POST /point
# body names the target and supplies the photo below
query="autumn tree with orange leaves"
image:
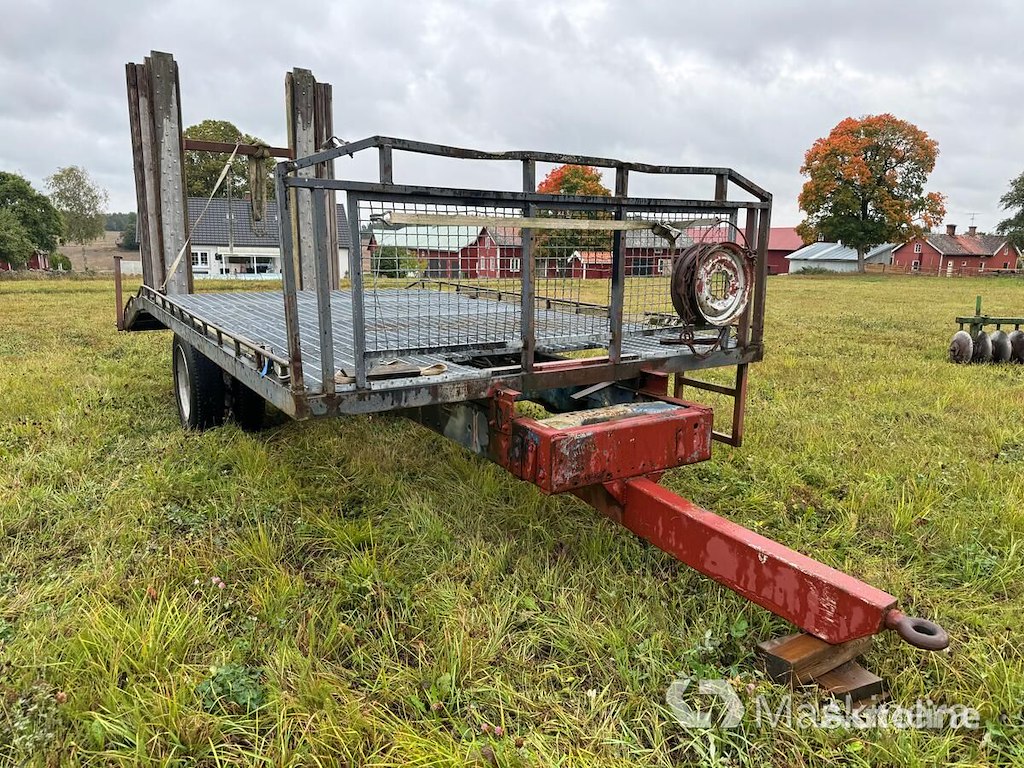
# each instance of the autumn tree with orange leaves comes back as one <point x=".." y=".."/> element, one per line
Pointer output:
<point x="866" y="183"/>
<point x="556" y="246"/>
<point x="574" y="180"/>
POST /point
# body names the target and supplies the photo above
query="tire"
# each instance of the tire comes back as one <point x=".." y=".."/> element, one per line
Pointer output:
<point x="247" y="408"/>
<point x="198" y="387"/>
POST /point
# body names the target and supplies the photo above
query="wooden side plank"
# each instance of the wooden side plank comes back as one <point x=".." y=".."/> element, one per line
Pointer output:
<point x="151" y="179"/>
<point x="302" y="141"/>
<point x="167" y="133"/>
<point x="323" y="130"/>
<point x="138" y="166"/>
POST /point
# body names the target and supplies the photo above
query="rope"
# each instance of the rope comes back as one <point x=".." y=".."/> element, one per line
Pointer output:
<point x="188" y="239"/>
<point x="258" y="189"/>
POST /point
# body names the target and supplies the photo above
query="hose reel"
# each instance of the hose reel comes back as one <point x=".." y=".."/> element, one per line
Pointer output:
<point x="711" y="283"/>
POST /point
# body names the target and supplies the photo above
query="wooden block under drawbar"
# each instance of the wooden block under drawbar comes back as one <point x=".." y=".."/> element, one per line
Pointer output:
<point x="853" y="681"/>
<point x="800" y="658"/>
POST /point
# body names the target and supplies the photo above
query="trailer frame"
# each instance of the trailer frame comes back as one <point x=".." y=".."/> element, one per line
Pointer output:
<point x="610" y="375"/>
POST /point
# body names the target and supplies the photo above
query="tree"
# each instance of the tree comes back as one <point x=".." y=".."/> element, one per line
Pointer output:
<point x="202" y="169"/>
<point x="15" y="245"/>
<point x="866" y="183"/>
<point x="34" y="211"/>
<point x="59" y="261"/>
<point x="392" y="261"/>
<point x="119" y="222"/>
<point x="80" y="202"/>
<point x="1013" y="201"/>
<point x="129" y="240"/>
<point x="574" y="180"/>
<point x="556" y="246"/>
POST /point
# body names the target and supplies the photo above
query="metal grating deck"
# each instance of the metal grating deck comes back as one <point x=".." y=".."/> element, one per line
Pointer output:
<point x="419" y="327"/>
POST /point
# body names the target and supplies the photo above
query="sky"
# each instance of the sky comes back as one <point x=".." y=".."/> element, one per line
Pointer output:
<point x="748" y="85"/>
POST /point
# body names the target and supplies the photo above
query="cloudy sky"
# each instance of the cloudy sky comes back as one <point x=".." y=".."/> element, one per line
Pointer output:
<point x="744" y="84"/>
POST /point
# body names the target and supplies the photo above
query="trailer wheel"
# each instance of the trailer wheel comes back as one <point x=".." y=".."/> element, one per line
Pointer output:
<point x="247" y="408"/>
<point x="198" y="387"/>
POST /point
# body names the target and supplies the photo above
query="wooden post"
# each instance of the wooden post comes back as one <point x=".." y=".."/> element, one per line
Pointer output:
<point x="310" y="125"/>
<point x="154" y="112"/>
<point x="323" y="130"/>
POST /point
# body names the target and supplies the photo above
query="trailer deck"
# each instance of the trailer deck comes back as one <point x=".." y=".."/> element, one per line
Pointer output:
<point x="423" y="320"/>
<point x="463" y="342"/>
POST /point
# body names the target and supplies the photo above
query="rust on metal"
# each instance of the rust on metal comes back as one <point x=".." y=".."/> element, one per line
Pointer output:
<point x="821" y="600"/>
<point x="712" y="282"/>
<point x="571" y="451"/>
<point x="118" y="297"/>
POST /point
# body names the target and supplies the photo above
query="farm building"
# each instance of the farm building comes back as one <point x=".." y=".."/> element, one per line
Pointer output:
<point x="450" y="251"/>
<point x="648" y="254"/>
<point x="782" y="241"/>
<point x="503" y="252"/>
<point x="227" y="242"/>
<point x="836" y="257"/>
<point x="38" y="260"/>
<point x="953" y="254"/>
<point x="443" y="251"/>
<point x="496" y="252"/>
<point x="589" y="265"/>
<point x="367" y="244"/>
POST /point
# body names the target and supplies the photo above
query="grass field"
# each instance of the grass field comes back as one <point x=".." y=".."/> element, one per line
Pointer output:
<point x="362" y="592"/>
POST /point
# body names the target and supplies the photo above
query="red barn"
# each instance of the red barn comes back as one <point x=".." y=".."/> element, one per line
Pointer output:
<point x="497" y="252"/>
<point x="439" y="250"/>
<point x="782" y="241"/>
<point x="953" y="254"/>
<point x="37" y="260"/>
<point x="590" y="265"/>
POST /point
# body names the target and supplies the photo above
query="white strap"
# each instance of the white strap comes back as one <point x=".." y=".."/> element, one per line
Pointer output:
<point x="184" y="246"/>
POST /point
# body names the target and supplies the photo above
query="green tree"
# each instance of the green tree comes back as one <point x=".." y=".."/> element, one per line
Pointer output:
<point x="34" y="211"/>
<point x="119" y="222"/>
<point x="59" y="261"/>
<point x="556" y="246"/>
<point x="129" y="240"/>
<point x="1013" y="201"/>
<point x="866" y="184"/>
<point x="80" y="202"/>
<point x="392" y="261"/>
<point x="15" y="245"/>
<point x="202" y="169"/>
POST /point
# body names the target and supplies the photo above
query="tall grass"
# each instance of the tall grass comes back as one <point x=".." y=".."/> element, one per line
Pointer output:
<point x="362" y="592"/>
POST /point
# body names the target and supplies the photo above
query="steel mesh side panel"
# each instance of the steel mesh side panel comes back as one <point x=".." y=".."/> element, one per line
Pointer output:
<point x="647" y="302"/>
<point x="434" y="286"/>
<point x="440" y="287"/>
<point x="572" y="285"/>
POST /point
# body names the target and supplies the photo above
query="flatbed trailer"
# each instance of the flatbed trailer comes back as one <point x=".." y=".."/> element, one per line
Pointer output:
<point x="460" y="304"/>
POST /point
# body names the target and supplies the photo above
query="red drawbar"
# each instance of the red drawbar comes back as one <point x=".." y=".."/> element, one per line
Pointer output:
<point x="821" y="600"/>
